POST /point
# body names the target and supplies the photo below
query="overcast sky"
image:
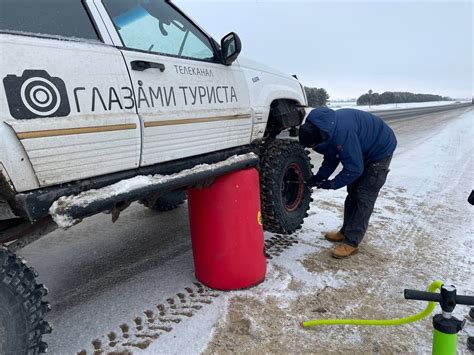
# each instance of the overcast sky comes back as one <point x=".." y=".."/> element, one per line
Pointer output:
<point x="352" y="46"/>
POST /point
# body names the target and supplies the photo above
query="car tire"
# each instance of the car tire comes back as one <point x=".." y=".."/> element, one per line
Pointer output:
<point x="285" y="198"/>
<point x="22" y="308"/>
<point x="168" y="202"/>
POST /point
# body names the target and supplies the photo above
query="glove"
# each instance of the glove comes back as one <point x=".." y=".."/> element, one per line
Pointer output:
<point x="325" y="185"/>
<point x="315" y="180"/>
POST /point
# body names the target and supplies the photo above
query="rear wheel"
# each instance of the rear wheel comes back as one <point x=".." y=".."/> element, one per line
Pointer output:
<point x="21" y="307"/>
<point x="284" y="168"/>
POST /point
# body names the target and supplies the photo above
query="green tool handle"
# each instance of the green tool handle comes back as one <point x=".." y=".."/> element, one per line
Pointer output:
<point x="444" y="344"/>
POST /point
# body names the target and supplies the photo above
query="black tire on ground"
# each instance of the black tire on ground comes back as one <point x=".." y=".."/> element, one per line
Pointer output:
<point x="168" y="202"/>
<point x="21" y="307"/>
<point x="284" y="167"/>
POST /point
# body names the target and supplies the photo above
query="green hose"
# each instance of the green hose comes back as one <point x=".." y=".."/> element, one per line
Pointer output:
<point x="435" y="285"/>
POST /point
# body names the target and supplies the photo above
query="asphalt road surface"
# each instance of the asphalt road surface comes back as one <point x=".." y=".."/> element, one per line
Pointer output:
<point x="103" y="278"/>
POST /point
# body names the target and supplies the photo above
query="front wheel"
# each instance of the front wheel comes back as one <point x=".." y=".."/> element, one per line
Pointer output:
<point x="284" y="168"/>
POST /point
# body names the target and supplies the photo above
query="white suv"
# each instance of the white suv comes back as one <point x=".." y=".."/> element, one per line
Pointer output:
<point x="98" y="91"/>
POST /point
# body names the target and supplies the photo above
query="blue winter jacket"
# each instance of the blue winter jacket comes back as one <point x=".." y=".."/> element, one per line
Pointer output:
<point x="354" y="139"/>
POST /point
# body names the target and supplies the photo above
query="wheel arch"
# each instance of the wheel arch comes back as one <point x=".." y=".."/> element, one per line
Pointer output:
<point x="14" y="162"/>
<point x="284" y="113"/>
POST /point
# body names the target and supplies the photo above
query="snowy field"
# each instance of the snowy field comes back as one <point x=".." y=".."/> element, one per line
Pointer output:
<point x="336" y="105"/>
<point x="129" y="287"/>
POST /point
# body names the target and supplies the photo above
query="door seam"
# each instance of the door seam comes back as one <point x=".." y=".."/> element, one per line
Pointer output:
<point x="140" y="119"/>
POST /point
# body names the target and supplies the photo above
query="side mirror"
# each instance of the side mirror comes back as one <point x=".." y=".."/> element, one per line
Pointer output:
<point x="230" y="48"/>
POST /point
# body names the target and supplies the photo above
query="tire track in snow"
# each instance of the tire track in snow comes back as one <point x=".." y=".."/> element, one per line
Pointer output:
<point x="423" y="221"/>
<point x="277" y="244"/>
<point x="153" y="322"/>
<point x="163" y="318"/>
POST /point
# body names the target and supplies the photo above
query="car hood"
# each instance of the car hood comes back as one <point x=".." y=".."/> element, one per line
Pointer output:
<point x="247" y="63"/>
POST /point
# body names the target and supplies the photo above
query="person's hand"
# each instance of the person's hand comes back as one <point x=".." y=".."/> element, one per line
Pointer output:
<point x="325" y="185"/>
<point x="315" y="180"/>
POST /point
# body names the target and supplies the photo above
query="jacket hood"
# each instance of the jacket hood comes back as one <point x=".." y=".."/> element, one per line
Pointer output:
<point x="325" y="119"/>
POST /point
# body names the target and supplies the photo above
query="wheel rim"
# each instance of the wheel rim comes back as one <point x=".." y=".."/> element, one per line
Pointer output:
<point x="292" y="187"/>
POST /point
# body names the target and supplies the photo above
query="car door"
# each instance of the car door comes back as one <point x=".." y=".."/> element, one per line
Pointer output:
<point x="66" y="94"/>
<point x="189" y="103"/>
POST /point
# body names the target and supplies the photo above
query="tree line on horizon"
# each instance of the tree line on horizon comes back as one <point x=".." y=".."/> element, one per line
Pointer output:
<point x="316" y="96"/>
<point x="320" y="97"/>
<point x="394" y="97"/>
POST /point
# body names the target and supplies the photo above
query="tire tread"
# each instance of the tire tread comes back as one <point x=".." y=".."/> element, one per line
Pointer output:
<point x="20" y="279"/>
<point x="274" y="156"/>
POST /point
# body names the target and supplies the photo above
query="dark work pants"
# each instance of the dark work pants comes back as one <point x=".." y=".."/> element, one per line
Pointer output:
<point x="361" y="198"/>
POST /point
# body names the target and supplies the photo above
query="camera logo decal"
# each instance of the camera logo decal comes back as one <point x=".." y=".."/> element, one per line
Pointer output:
<point x="36" y="94"/>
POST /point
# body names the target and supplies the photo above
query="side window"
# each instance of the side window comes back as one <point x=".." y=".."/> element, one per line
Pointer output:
<point x="155" y="26"/>
<point x="64" y="18"/>
<point x="193" y="47"/>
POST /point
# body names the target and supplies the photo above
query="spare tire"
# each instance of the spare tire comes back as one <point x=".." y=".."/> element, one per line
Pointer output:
<point x="285" y="198"/>
<point x="168" y="202"/>
<point x="21" y="307"/>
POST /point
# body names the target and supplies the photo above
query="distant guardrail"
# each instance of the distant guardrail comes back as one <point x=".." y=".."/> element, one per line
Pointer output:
<point x="394" y="114"/>
<point x="417" y="111"/>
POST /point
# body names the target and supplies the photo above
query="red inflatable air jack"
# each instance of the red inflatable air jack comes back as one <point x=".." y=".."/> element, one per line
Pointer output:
<point x="227" y="233"/>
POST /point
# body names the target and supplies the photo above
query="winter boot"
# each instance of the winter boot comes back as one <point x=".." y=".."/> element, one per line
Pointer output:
<point x="335" y="237"/>
<point x="344" y="251"/>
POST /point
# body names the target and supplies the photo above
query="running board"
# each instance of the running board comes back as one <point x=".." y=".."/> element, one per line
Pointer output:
<point x="70" y="210"/>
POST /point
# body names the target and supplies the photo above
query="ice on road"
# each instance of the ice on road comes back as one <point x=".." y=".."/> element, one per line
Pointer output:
<point x="129" y="287"/>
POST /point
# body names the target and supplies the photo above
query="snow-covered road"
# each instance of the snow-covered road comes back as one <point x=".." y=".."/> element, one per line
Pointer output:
<point x="128" y="286"/>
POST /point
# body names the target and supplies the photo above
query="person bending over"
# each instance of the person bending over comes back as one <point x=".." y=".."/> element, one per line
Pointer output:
<point x="364" y="144"/>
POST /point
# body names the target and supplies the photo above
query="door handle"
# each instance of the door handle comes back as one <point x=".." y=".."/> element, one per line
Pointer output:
<point x="141" y="65"/>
